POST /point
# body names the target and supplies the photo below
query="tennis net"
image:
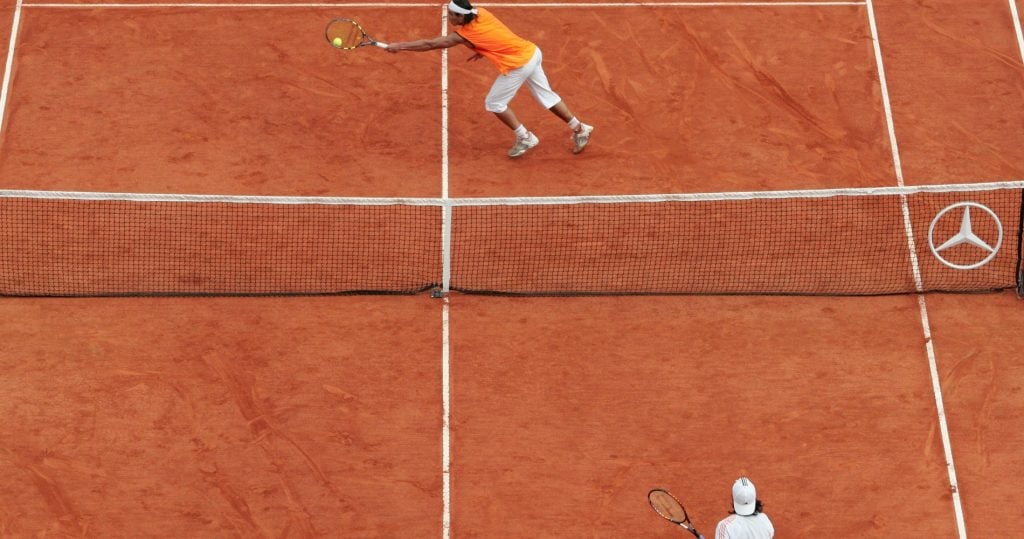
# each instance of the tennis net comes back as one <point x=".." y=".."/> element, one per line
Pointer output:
<point x="818" y="242"/>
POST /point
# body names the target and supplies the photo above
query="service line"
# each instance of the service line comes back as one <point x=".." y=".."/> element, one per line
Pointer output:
<point x="584" y="5"/>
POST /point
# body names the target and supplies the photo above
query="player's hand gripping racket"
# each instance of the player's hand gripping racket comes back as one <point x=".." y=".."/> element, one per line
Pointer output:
<point x="346" y="34"/>
<point x="671" y="510"/>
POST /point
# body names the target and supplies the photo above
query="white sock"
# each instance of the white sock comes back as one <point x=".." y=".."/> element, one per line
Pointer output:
<point x="521" y="131"/>
<point x="574" y="124"/>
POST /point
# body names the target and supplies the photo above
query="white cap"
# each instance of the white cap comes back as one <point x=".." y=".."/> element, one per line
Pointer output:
<point x="744" y="496"/>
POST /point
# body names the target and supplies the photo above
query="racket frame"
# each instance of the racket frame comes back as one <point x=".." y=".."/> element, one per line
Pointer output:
<point x="684" y="523"/>
<point x="366" y="39"/>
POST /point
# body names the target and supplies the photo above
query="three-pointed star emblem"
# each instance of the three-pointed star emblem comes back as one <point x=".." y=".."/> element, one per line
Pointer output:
<point x="966" y="235"/>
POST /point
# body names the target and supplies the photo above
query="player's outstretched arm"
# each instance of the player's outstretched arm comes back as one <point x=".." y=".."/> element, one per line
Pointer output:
<point x="423" y="45"/>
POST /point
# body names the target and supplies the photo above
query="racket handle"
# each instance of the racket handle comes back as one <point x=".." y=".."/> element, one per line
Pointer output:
<point x="381" y="45"/>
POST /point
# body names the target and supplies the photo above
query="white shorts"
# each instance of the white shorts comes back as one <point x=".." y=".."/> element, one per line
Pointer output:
<point x="532" y="74"/>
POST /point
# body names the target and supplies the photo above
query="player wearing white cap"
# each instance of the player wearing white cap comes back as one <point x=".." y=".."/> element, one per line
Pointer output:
<point x="746" y="521"/>
<point x="519" y="61"/>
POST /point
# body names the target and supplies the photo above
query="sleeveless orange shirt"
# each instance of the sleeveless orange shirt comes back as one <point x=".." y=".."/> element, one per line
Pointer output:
<point x="494" y="41"/>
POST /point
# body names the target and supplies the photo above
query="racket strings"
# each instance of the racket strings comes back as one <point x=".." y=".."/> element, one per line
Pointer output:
<point x="667" y="506"/>
<point x="350" y="34"/>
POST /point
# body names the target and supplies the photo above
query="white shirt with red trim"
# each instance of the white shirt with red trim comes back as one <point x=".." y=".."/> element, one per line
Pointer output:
<point x="756" y="526"/>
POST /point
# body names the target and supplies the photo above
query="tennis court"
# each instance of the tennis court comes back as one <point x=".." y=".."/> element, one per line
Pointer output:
<point x="502" y="415"/>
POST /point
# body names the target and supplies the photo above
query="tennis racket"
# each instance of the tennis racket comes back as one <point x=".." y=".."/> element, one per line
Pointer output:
<point x="669" y="508"/>
<point x="346" y="34"/>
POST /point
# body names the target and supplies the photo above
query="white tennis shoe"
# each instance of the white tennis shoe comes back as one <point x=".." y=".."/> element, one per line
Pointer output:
<point x="581" y="138"/>
<point x="523" y="144"/>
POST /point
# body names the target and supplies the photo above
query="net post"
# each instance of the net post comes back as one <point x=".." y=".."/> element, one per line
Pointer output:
<point x="1020" y="243"/>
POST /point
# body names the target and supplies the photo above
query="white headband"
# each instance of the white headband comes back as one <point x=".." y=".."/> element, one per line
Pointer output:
<point x="454" y="8"/>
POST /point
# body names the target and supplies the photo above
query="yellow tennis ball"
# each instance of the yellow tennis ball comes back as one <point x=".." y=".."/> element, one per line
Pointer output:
<point x="337" y="42"/>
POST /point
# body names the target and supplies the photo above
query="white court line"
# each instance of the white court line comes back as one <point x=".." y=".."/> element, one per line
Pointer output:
<point x="446" y="211"/>
<point x="446" y="487"/>
<point x="674" y="4"/>
<point x="1016" y="27"/>
<point x="940" y="408"/>
<point x="503" y="6"/>
<point x="446" y="277"/>
<point x="885" y="95"/>
<point x="224" y="5"/>
<point x="444" y="108"/>
<point x="15" y="24"/>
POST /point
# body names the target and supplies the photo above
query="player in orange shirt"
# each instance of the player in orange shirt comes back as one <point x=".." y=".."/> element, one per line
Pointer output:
<point x="518" y="60"/>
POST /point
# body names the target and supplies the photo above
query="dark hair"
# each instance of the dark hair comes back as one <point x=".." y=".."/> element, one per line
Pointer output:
<point x="758" y="508"/>
<point x="464" y="4"/>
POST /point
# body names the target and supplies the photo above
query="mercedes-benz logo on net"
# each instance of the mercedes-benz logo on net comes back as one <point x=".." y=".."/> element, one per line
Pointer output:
<point x="969" y="235"/>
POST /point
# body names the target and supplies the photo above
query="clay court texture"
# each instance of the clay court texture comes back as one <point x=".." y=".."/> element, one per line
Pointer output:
<point x="468" y="415"/>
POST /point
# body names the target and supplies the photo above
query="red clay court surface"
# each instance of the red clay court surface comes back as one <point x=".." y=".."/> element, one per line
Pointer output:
<point x="297" y="417"/>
